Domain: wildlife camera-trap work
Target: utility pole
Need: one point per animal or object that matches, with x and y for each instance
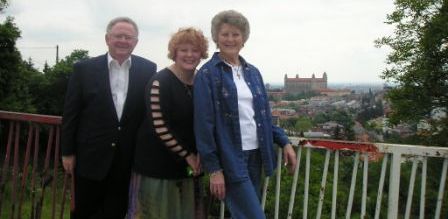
(57, 54)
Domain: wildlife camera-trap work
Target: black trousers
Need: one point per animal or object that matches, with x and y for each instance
(104, 199)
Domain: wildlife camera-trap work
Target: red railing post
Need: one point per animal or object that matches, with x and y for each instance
(17, 179)
(5, 169)
(15, 171)
(33, 175)
(25, 169)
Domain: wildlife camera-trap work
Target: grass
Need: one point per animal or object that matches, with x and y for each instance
(10, 207)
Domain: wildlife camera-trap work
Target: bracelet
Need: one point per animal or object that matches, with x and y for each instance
(215, 173)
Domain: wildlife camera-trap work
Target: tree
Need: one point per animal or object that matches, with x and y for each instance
(337, 133)
(14, 92)
(52, 92)
(3, 4)
(303, 124)
(321, 117)
(418, 65)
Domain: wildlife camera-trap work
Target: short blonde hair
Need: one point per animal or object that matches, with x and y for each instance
(188, 35)
(233, 18)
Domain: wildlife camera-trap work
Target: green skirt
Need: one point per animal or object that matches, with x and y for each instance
(153, 198)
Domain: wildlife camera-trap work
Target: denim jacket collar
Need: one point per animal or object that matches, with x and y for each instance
(216, 60)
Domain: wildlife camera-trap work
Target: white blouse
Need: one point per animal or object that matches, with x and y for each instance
(248, 127)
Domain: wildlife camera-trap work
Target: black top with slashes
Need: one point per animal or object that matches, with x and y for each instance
(166, 135)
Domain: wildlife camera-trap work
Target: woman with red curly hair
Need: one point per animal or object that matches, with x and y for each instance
(166, 158)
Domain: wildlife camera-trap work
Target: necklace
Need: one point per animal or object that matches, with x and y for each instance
(185, 82)
(237, 70)
(188, 89)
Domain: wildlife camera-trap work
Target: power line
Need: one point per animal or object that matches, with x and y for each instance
(35, 47)
(43, 47)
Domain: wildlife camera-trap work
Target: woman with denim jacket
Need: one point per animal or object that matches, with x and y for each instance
(232, 121)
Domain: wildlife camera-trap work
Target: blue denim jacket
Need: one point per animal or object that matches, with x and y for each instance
(216, 120)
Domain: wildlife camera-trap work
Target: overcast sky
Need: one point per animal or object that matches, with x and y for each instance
(287, 36)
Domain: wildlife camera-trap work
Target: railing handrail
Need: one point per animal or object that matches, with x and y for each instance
(29, 117)
(394, 154)
(405, 149)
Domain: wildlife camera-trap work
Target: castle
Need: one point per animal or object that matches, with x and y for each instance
(303, 85)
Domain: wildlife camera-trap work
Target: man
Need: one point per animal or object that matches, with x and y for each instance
(104, 106)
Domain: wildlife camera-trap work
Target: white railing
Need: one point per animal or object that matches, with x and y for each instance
(366, 153)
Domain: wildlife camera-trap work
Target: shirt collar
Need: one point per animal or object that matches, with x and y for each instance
(110, 59)
(216, 60)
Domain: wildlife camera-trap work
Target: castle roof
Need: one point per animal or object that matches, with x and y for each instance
(305, 79)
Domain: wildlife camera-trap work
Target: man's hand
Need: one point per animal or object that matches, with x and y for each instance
(69, 163)
(289, 156)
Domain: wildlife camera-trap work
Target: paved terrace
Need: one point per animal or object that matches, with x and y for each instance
(399, 181)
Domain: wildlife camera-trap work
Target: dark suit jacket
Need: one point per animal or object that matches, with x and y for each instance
(90, 126)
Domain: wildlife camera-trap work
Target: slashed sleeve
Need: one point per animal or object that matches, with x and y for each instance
(158, 103)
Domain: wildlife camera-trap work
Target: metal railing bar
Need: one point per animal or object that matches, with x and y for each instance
(14, 180)
(292, 197)
(323, 184)
(423, 187)
(335, 184)
(364, 185)
(29, 117)
(222, 207)
(25, 167)
(381, 187)
(411, 189)
(352, 186)
(441, 188)
(422, 150)
(307, 183)
(55, 170)
(277, 182)
(417, 150)
(265, 192)
(15, 171)
(5, 169)
(45, 175)
(64, 192)
(394, 186)
(34, 170)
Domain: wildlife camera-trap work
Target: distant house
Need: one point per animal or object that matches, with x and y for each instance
(284, 113)
(276, 93)
(334, 92)
(303, 85)
(311, 134)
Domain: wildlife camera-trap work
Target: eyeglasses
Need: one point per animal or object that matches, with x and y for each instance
(123, 36)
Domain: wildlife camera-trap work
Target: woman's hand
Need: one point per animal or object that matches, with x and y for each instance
(195, 163)
(289, 156)
(218, 185)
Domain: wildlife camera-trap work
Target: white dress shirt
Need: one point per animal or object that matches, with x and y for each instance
(119, 80)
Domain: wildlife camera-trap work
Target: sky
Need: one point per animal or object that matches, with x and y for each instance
(291, 37)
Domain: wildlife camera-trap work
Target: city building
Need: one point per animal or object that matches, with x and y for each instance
(303, 85)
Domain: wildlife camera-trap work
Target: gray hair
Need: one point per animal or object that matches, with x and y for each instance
(121, 19)
(233, 18)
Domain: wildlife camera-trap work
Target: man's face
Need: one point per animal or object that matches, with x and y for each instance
(121, 41)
